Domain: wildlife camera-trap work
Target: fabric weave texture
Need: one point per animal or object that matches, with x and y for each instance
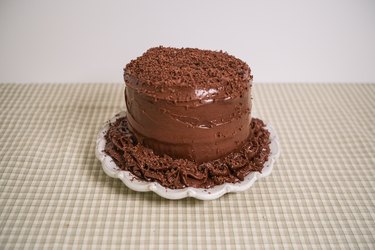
(54, 193)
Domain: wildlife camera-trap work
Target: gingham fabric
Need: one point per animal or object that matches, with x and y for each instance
(54, 193)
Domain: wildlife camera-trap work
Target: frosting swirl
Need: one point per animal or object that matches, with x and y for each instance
(130, 155)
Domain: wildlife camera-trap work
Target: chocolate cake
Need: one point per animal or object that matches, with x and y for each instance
(188, 119)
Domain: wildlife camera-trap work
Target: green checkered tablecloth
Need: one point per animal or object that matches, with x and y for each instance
(54, 193)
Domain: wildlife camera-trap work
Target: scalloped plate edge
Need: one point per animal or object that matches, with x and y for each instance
(132, 182)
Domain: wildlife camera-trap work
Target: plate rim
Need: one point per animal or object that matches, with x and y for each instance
(132, 182)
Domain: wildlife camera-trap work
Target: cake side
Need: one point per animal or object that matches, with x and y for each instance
(189, 103)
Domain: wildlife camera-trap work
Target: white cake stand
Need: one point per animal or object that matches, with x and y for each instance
(132, 182)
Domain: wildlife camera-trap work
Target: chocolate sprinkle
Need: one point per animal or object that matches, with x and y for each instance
(141, 161)
(166, 68)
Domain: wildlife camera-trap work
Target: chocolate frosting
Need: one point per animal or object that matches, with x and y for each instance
(130, 155)
(189, 103)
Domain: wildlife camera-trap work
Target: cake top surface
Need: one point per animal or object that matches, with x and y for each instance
(206, 73)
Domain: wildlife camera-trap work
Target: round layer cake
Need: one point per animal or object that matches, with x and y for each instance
(189, 103)
(188, 120)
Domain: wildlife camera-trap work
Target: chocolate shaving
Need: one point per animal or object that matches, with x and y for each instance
(165, 68)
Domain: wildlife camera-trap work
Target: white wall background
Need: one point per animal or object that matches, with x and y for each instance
(282, 41)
